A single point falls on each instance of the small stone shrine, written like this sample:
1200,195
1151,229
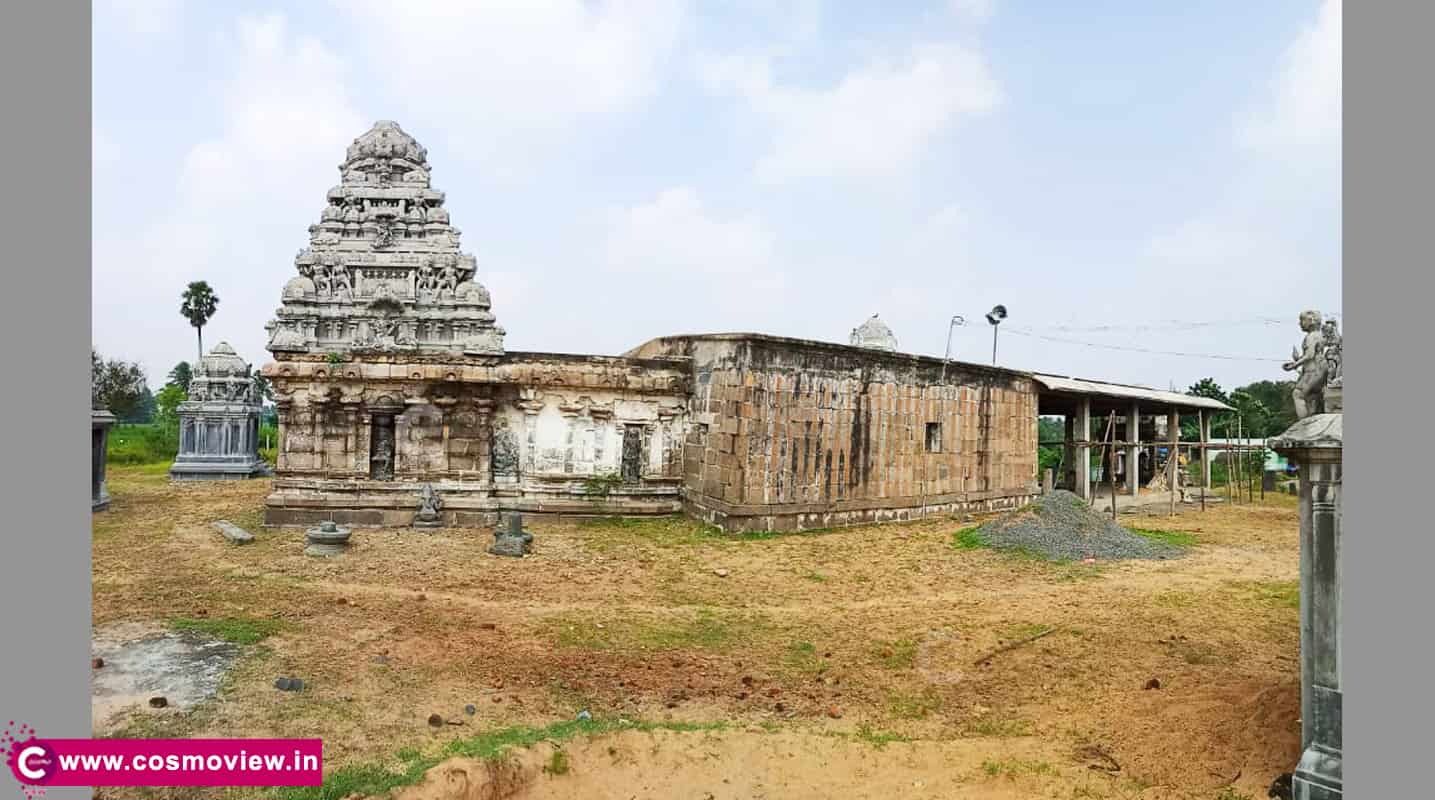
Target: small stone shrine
100,422
219,423
1314,444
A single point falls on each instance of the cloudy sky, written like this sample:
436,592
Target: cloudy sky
1124,177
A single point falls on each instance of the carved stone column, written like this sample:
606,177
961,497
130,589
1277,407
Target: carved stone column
100,421
1314,444
530,403
483,408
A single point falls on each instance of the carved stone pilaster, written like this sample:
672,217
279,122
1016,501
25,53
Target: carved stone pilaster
1315,444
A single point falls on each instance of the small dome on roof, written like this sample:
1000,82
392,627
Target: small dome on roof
387,140
222,361
874,334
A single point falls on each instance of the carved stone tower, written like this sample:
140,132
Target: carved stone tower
383,271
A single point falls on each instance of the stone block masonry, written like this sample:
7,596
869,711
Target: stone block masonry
791,434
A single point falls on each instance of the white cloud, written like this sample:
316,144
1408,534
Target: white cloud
511,80
974,10
676,235
878,120
144,17
242,201
1303,118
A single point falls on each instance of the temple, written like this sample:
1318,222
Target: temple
395,394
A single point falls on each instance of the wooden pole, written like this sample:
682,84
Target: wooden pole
1112,452
1205,484
1173,421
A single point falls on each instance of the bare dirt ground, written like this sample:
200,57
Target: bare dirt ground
847,663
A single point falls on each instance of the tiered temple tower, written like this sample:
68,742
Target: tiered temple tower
383,270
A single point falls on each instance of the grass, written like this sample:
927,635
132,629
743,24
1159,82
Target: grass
557,763
914,706
899,654
142,444
878,739
1230,793
1016,767
375,779
802,657
237,630
1285,594
996,728
816,577
969,539
1173,538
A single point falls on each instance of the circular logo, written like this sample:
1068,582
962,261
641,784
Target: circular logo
34,762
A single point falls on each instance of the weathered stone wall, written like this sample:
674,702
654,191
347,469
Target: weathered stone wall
527,432
790,434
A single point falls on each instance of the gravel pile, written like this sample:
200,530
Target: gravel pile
1060,526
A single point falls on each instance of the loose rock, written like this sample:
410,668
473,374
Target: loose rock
97,663
470,709
721,573
158,702
436,720
1153,684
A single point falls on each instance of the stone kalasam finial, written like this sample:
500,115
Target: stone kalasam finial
1309,358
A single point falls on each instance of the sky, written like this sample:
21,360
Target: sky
1131,180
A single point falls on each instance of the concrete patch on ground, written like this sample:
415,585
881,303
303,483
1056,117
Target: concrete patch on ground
141,662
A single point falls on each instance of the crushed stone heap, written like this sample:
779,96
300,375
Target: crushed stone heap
1062,527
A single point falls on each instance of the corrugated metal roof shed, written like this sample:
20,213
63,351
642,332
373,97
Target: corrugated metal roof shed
1059,383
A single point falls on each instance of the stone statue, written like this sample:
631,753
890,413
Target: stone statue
505,450
385,237
1309,358
1331,333
340,285
430,504
321,281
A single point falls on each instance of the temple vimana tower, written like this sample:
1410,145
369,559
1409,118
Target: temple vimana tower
392,380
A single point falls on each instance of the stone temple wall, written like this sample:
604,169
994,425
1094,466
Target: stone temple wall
790,434
537,433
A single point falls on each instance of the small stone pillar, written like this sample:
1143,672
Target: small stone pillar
1314,444
100,422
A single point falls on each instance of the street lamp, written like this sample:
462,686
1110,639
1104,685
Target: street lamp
957,321
995,317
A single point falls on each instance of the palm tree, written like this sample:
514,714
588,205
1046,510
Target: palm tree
199,303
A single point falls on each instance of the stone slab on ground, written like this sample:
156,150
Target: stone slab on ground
233,532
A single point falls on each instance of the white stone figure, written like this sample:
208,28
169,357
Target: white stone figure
1309,358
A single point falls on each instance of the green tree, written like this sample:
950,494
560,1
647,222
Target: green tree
198,304
1205,387
181,375
1275,397
167,404
119,386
